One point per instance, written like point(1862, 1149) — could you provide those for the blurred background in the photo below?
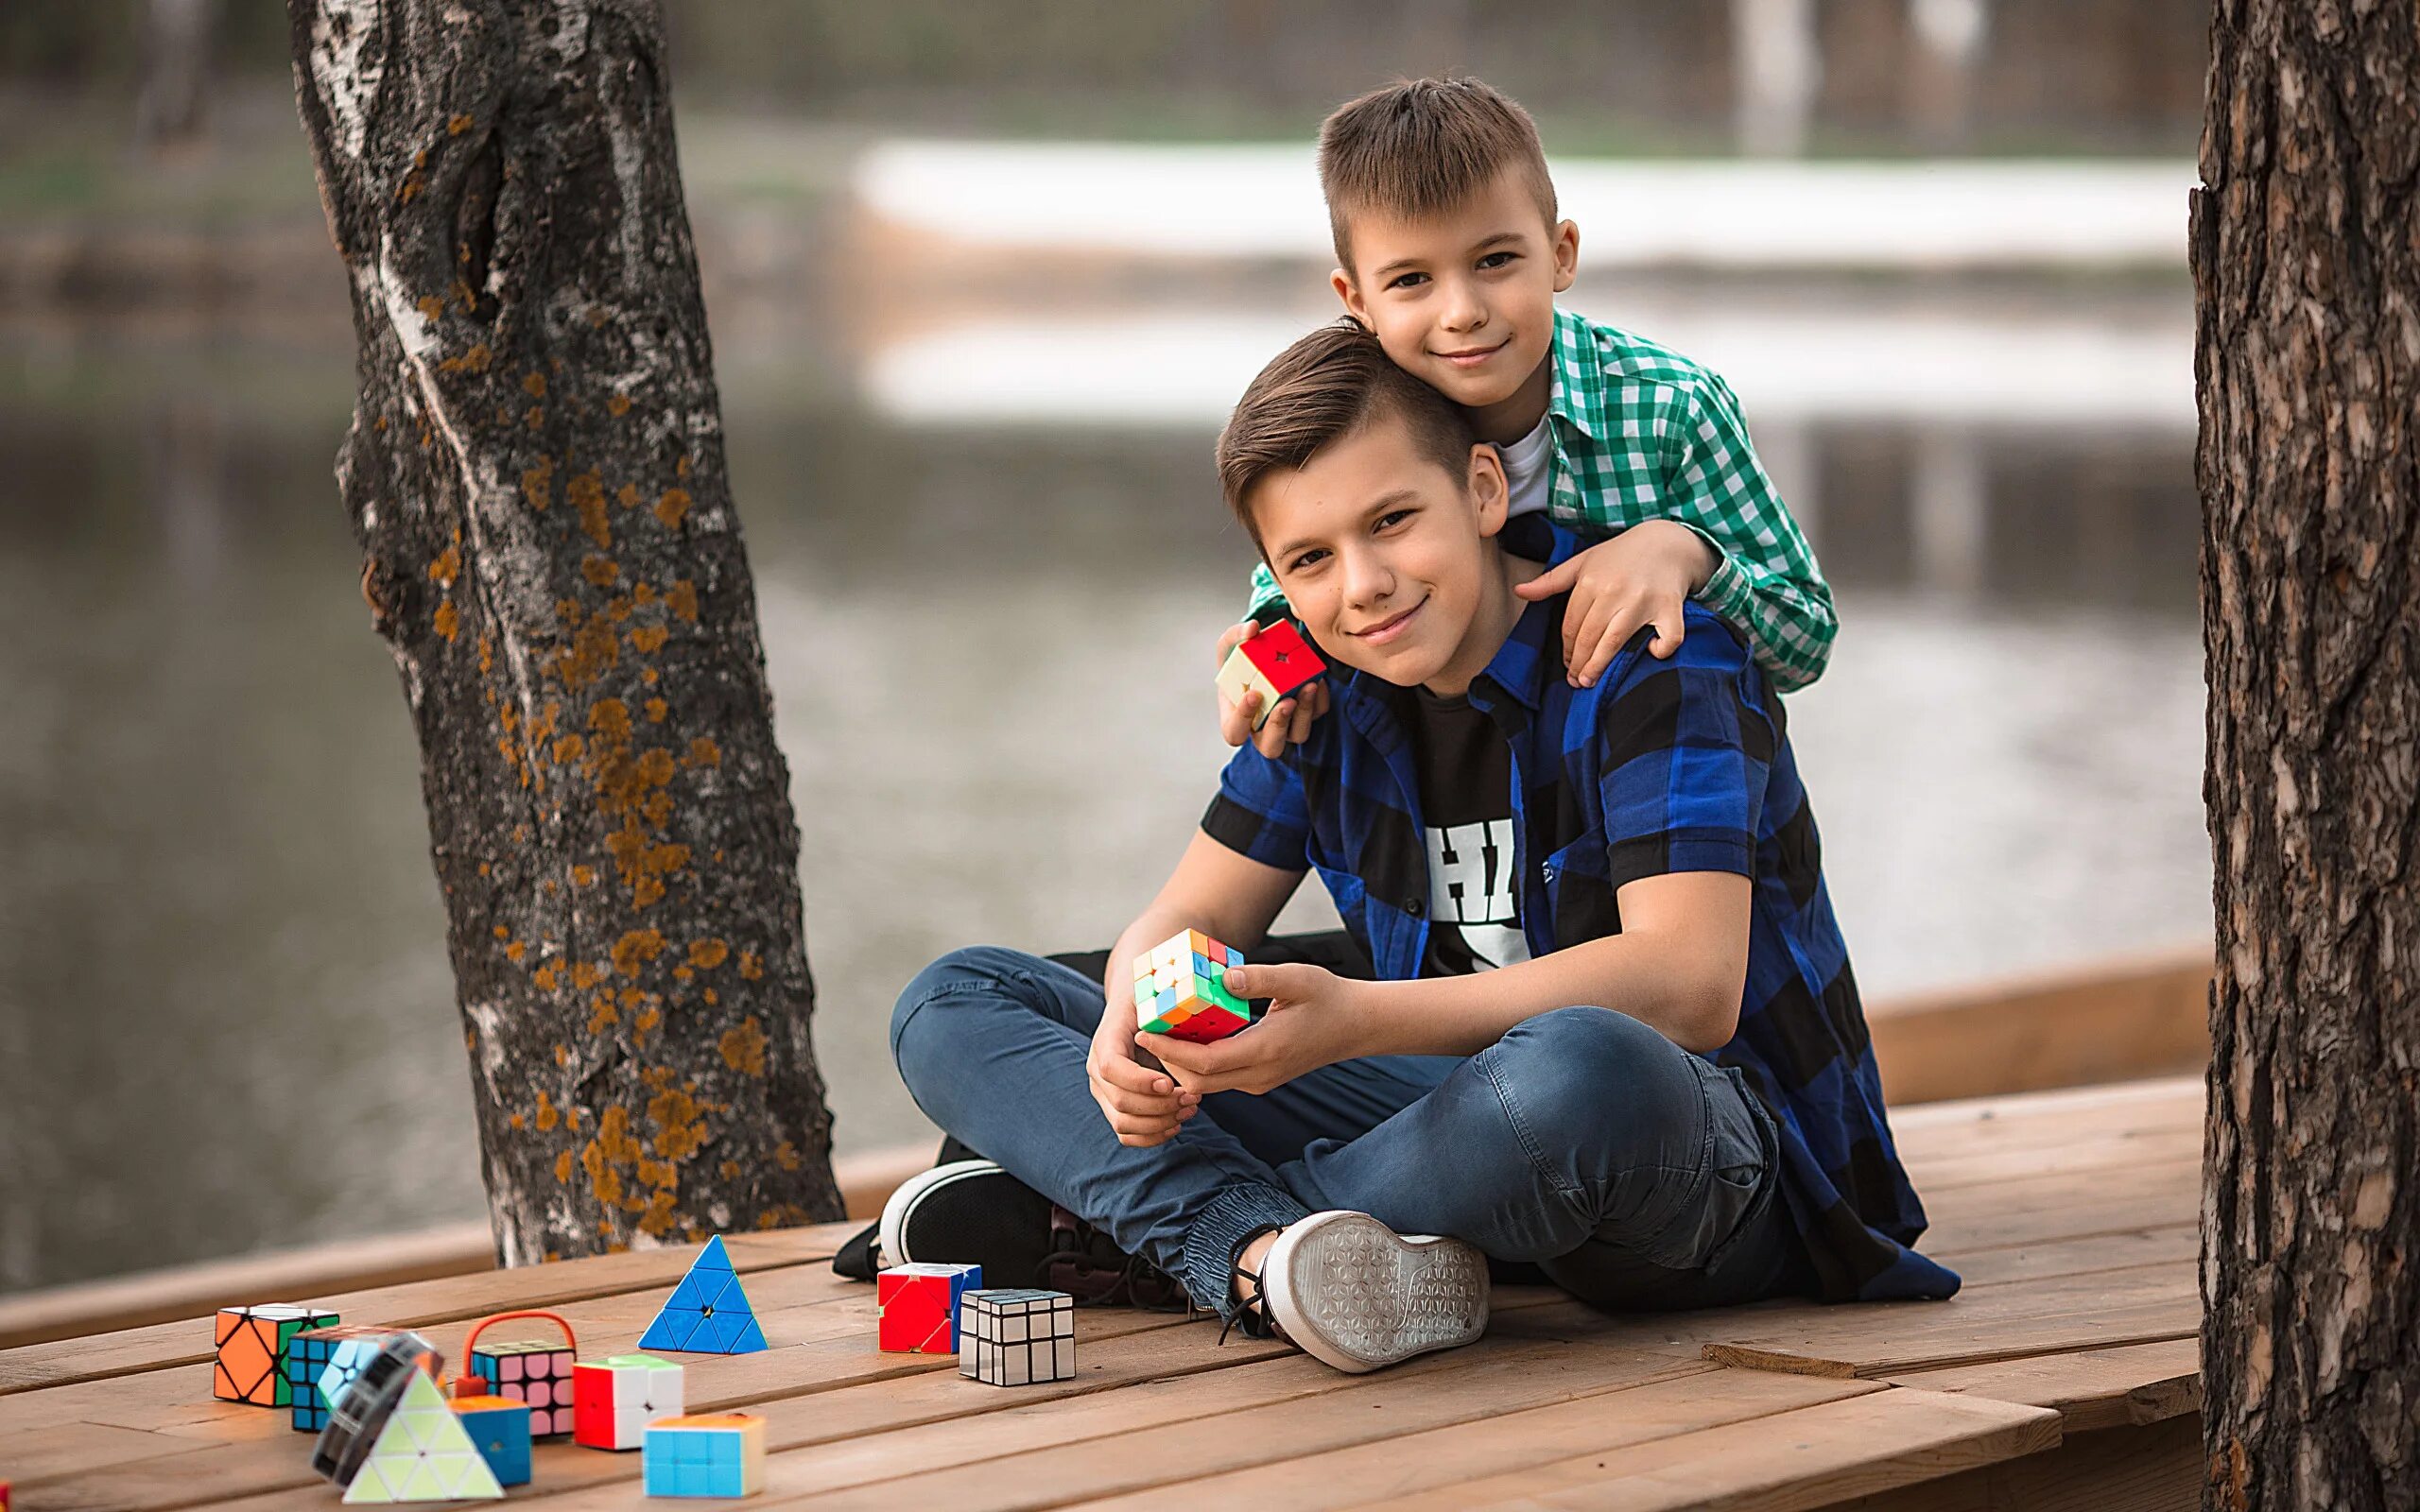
point(982, 281)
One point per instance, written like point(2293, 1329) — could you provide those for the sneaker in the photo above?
point(973, 1213)
point(1356, 1295)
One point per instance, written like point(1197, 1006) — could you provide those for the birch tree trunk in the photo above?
point(535, 475)
point(2306, 250)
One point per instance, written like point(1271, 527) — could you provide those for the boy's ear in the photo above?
point(1490, 493)
point(1567, 255)
point(1340, 280)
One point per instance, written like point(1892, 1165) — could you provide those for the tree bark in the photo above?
point(535, 474)
point(2306, 250)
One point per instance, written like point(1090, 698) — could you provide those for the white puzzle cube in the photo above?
point(614, 1398)
point(1017, 1336)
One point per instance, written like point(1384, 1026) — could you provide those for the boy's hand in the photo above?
point(1291, 723)
point(1143, 1105)
point(1618, 587)
point(1314, 1019)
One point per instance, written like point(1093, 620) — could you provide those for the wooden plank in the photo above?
point(1390, 1468)
point(2129, 1387)
point(2123, 1469)
point(2041, 1120)
point(2142, 1305)
point(2174, 1206)
point(2048, 1192)
point(2105, 1023)
point(2115, 1150)
point(36, 1455)
point(1810, 1457)
point(2032, 1264)
point(413, 1304)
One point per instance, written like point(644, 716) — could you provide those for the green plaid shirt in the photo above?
point(1642, 433)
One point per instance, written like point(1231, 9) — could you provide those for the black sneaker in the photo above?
point(973, 1213)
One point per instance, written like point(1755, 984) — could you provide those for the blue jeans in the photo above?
point(1634, 1174)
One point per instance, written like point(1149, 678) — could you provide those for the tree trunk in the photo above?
point(2306, 249)
point(535, 474)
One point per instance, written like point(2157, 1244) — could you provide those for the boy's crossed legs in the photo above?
point(1636, 1174)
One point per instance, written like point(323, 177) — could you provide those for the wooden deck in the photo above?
point(2064, 1376)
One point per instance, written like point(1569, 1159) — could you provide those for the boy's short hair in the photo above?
point(1421, 147)
point(1320, 389)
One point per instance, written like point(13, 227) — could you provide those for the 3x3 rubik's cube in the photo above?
point(1180, 989)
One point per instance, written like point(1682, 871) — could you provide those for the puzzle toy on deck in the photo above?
point(614, 1398)
point(919, 1306)
point(708, 1312)
point(361, 1394)
point(710, 1454)
point(535, 1371)
point(1180, 989)
point(1273, 664)
point(1017, 1336)
point(423, 1453)
point(312, 1353)
point(500, 1429)
point(250, 1351)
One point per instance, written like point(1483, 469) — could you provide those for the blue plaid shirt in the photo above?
point(1663, 766)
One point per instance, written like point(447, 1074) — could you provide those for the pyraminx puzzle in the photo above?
point(250, 1344)
point(1273, 664)
point(424, 1454)
point(708, 1312)
point(1180, 989)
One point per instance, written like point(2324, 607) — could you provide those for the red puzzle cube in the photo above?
point(919, 1306)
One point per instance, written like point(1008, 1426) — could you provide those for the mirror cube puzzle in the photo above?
point(708, 1312)
point(536, 1372)
point(1018, 1336)
point(422, 1454)
point(919, 1306)
point(1180, 989)
point(1273, 664)
point(250, 1343)
point(500, 1429)
point(312, 1356)
point(362, 1391)
point(708, 1454)
point(614, 1398)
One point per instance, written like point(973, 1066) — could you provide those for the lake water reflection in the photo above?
point(226, 1018)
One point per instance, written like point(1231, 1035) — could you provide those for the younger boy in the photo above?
point(1448, 247)
point(1652, 1080)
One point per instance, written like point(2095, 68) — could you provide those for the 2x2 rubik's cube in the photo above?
point(1272, 664)
point(1180, 989)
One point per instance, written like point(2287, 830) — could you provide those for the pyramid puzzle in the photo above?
point(708, 1312)
point(424, 1454)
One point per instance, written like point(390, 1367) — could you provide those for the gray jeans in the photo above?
point(1634, 1175)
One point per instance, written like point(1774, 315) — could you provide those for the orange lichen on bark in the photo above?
point(656, 711)
point(545, 977)
point(585, 976)
point(548, 1114)
point(682, 599)
point(628, 497)
point(729, 1169)
point(679, 1125)
point(618, 405)
point(534, 416)
point(750, 967)
point(583, 875)
point(563, 1168)
point(649, 639)
point(594, 649)
point(587, 493)
point(743, 1046)
point(446, 622)
point(477, 359)
point(431, 306)
point(568, 748)
point(706, 954)
point(515, 951)
point(672, 507)
point(518, 1122)
point(533, 383)
point(602, 1015)
point(785, 1156)
point(600, 571)
point(644, 1024)
point(637, 948)
point(704, 752)
point(447, 567)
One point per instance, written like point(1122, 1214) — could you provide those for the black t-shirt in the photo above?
point(1465, 770)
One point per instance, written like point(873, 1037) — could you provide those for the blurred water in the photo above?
point(226, 1018)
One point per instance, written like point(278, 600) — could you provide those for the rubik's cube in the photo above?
point(1180, 989)
point(500, 1429)
point(310, 1357)
point(531, 1370)
point(1273, 664)
point(614, 1398)
point(709, 1455)
point(1017, 1337)
point(919, 1306)
point(250, 1343)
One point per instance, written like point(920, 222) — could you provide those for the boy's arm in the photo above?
point(1765, 579)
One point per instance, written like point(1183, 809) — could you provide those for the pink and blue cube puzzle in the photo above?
point(706, 1454)
point(530, 1370)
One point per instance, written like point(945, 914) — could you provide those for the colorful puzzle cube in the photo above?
point(310, 1357)
point(1273, 664)
point(919, 1306)
point(614, 1398)
point(362, 1394)
point(534, 1371)
point(1018, 1336)
point(1180, 989)
point(251, 1350)
point(712, 1455)
point(422, 1454)
point(708, 1312)
point(500, 1429)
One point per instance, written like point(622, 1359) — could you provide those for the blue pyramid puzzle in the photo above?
point(708, 1313)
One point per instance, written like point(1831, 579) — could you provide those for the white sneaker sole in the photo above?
point(1356, 1295)
point(891, 1233)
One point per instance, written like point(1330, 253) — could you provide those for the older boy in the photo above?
point(1448, 247)
point(1652, 1081)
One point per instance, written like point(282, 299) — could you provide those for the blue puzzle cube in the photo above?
point(705, 1454)
point(311, 1353)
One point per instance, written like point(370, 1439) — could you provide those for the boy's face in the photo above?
point(1465, 301)
point(1383, 555)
